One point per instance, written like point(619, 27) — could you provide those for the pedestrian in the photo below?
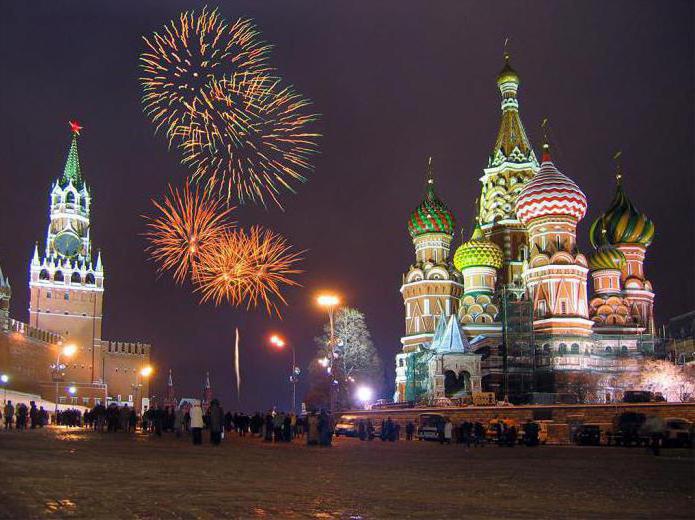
point(409, 430)
point(216, 422)
point(197, 423)
point(132, 420)
point(34, 415)
point(448, 429)
point(179, 421)
point(9, 415)
point(362, 430)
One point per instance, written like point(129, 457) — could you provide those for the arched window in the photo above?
point(70, 198)
point(89, 279)
point(609, 350)
point(546, 349)
point(575, 348)
point(58, 276)
point(562, 349)
point(76, 278)
point(623, 350)
point(43, 275)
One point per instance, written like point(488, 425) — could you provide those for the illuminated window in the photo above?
point(48, 294)
point(66, 296)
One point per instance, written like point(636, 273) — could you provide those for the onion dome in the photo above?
point(550, 193)
point(507, 74)
point(607, 257)
point(622, 223)
point(432, 215)
point(478, 251)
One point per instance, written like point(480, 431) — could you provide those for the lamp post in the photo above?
point(58, 367)
point(294, 369)
point(144, 373)
point(330, 302)
point(4, 379)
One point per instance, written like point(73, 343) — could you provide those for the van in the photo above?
point(429, 425)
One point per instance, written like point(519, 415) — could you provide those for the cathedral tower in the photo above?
point(66, 285)
point(550, 206)
point(631, 232)
point(431, 287)
point(510, 165)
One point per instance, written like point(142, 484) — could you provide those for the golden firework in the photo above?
point(248, 268)
point(189, 221)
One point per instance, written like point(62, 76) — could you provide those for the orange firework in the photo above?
point(188, 223)
point(248, 267)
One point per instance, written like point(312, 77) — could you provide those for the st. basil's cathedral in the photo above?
point(510, 311)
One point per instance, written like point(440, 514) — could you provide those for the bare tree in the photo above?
point(355, 359)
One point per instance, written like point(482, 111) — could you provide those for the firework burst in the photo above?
point(180, 61)
point(188, 223)
point(208, 86)
point(253, 152)
point(248, 267)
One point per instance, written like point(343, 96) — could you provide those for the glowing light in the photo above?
point(146, 371)
point(72, 390)
point(187, 223)
point(4, 378)
point(328, 300)
point(364, 394)
point(324, 362)
point(277, 341)
point(75, 127)
point(69, 350)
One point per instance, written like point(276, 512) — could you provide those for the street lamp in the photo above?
point(144, 373)
point(4, 378)
point(364, 395)
point(294, 369)
point(330, 302)
point(57, 368)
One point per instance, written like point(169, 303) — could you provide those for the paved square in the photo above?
point(57, 473)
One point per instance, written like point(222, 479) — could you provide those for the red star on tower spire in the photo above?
point(75, 127)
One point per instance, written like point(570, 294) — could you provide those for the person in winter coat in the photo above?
point(197, 423)
point(9, 415)
point(216, 422)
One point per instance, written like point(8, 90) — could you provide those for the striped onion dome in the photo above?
point(622, 223)
point(431, 216)
point(607, 257)
point(478, 251)
point(550, 193)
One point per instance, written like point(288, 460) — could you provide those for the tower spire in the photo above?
point(546, 143)
point(72, 171)
point(35, 260)
point(618, 167)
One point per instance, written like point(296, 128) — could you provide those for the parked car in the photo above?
point(347, 426)
point(638, 396)
point(542, 432)
point(588, 435)
point(678, 432)
point(627, 430)
point(429, 425)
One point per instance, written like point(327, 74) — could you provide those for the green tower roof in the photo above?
point(72, 171)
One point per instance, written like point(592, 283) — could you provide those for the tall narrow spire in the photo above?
point(72, 171)
point(36, 260)
point(512, 144)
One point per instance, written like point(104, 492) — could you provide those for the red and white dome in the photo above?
point(550, 193)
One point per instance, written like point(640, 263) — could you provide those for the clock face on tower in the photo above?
point(67, 243)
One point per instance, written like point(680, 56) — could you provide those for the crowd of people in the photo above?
point(273, 426)
point(23, 417)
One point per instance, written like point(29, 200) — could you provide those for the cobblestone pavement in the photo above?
point(58, 473)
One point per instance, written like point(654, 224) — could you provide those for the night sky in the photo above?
point(395, 82)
